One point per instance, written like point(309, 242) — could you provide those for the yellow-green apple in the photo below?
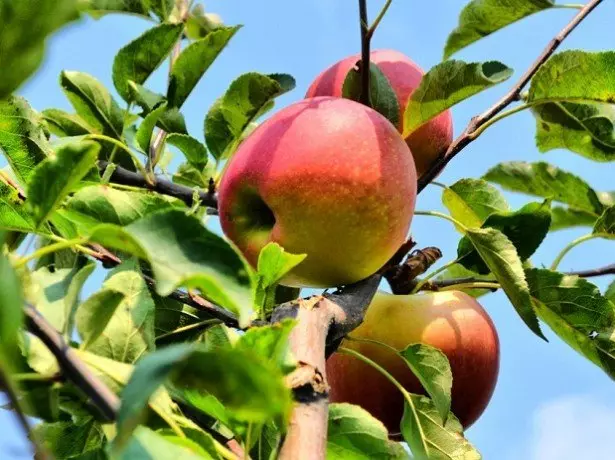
point(326, 177)
point(452, 321)
point(427, 142)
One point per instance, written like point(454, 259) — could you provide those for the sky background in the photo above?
point(550, 403)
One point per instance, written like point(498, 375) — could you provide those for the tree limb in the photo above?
point(470, 133)
point(365, 54)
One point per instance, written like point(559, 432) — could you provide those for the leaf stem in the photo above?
point(122, 146)
point(49, 249)
point(429, 276)
point(569, 247)
point(473, 285)
point(497, 118)
point(576, 6)
point(374, 26)
point(442, 216)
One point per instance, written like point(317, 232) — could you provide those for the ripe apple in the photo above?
point(452, 321)
point(327, 177)
point(426, 143)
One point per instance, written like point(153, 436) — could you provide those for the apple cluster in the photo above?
point(334, 179)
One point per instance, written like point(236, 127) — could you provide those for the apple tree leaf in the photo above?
point(78, 438)
point(472, 201)
point(562, 218)
point(14, 214)
point(97, 8)
point(148, 444)
point(457, 271)
point(605, 225)
point(270, 343)
point(610, 292)
point(11, 310)
point(94, 314)
point(194, 151)
point(64, 124)
point(447, 84)
point(146, 128)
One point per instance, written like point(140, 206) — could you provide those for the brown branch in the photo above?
point(470, 133)
point(365, 54)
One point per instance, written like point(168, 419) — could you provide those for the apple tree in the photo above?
point(199, 343)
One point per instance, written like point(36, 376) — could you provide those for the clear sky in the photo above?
point(550, 403)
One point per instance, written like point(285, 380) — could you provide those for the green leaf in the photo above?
point(138, 60)
point(610, 292)
point(501, 257)
point(457, 271)
point(199, 23)
point(471, 201)
point(270, 343)
point(382, 97)
point(57, 176)
point(184, 253)
point(64, 124)
point(146, 99)
point(71, 439)
point(433, 370)
point(22, 139)
point(605, 225)
point(189, 176)
point(97, 8)
point(129, 329)
point(429, 437)
point(558, 126)
point(193, 62)
point(562, 218)
point(564, 78)
point(14, 214)
point(354, 433)
point(577, 312)
point(146, 128)
point(481, 18)
point(25, 26)
point(147, 444)
point(447, 84)
point(194, 151)
point(173, 321)
point(231, 116)
point(11, 311)
point(525, 228)
point(162, 8)
point(93, 103)
point(547, 181)
point(94, 314)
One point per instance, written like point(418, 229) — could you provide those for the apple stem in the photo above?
point(365, 52)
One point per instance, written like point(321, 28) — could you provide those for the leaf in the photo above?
point(57, 176)
point(577, 313)
point(11, 311)
point(162, 8)
point(173, 317)
point(447, 84)
point(64, 124)
point(98, 8)
point(547, 181)
point(146, 128)
point(382, 97)
point(562, 218)
point(457, 271)
point(433, 370)
point(471, 201)
point(129, 332)
point(605, 225)
point(525, 228)
point(248, 97)
point(193, 150)
point(610, 292)
point(26, 24)
point(22, 139)
point(558, 127)
point(564, 78)
point(71, 439)
point(199, 23)
point(93, 103)
point(481, 18)
point(501, 257)
point(193, 62)
point(354, 433)
point(138, 60)
point(270, 343)
point(184, 253)
point(189, 176)
point(147, 444)
point(13, 212)
point(431, 439)
point(94, 314)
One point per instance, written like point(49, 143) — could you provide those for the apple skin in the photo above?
point(327, 177)
point(452, 321)
point(427, 142)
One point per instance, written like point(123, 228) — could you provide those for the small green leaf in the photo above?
point(138, 60)
point(11, 310)
point(194, 151)
point(577, 313)
point(184, 253)
point(501, 257)
point(178, 322)
point(97, 8)
point(146, 99)
point(382, 97)
point(94, 314)
point(22, 139)
point(610, 292)
point(270, 343)
point(146, 128)
point(247, 98)
point(93, 103)
point(64, 124)
point(199, 23)
point(562, 218)
point(471, 201)
point(193, 62)
point(161, 8)
point(189, 176)
point(354, 433)
point(547, 181)
point(433, 370)
point(147, 444)
point(447, 84)
point(73, 439)
point(57, 176)
point(14, 214)
point(481, 18)
point(605, 225)
point(429, 437)
point(564, 78)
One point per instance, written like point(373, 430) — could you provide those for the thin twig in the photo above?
point(365, 52)
point(469, 134)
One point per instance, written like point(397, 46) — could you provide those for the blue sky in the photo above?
point(549, 404)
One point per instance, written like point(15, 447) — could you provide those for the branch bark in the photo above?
point(470, 133)
point(365, 54)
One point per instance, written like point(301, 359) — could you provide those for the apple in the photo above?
point(452, 321)
point(430, 140)
point(326, 177)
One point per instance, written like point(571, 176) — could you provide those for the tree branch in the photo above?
point(365, 54)
point(470, 133)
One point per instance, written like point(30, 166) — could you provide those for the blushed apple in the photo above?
point(327, 177)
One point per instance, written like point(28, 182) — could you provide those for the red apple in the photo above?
point(452, 321)
point(430, 140)
point(327, 177)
